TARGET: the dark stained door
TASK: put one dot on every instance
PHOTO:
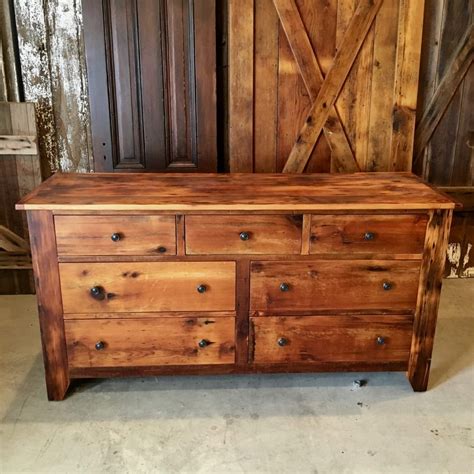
(152, 84)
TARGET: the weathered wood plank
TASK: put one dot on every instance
(18, 145)
(241, 85)
(353, 39)
(436, 242)
(266, 87)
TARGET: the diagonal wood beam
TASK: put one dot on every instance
(353, 38)
(310, 70)
(463, 58)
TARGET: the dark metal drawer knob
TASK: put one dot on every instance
(161, 249)
(99, 345)
(97, 292)
(244, 236)
(284, 287)
(387, 285)
(282, 341)
(380, 340)
(203, 343)
(202, 288)
(369, 236)
(115, 237)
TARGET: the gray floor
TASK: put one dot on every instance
(298, 423)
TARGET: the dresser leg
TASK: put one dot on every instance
(50, 310)
(431, 275)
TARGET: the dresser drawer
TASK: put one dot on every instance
(147, 286)
(241, 234)
(334, 285)
(160, 341)
(115, 235)
(332, 339)
(358, 234)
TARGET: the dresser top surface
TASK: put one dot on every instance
(239, 191)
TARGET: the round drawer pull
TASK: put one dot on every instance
(380, 340)
(115, 237)
(202, 288)
(99, 345)
(203, 343)
(244, 236)
(282, 341)
(369, 236)
(284, 287)
(97, 292)
(387, 286)
(161, 249)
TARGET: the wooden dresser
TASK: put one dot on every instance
(145, 274)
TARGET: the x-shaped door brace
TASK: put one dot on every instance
(324, 92)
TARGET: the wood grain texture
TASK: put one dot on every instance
(221, 235)
(138, 235)
(18, 145)
(266, 62)
(148, 286)
(428, 298)
(158, 341)
(50, 309)
(334, 285)
(406, 84)
(241, 85)
(327, 96)
(241, 192)
(332, 338)
(389, 234)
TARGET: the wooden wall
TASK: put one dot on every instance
(444, 145)
(323, 85)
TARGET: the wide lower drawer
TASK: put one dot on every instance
(240, 234)
(147, 286)
(115, 235)
(331, 339)
(368, 234)
(157, 341)
(334, 285)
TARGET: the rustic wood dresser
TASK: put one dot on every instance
(141, 274)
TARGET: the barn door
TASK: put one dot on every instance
(151, 70)
(323, 85)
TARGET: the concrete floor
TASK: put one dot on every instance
(298, 423)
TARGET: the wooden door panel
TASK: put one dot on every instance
(152, 88)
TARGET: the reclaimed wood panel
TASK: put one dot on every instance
(155, 341)
(115, 235)
(19, 175)
(241, 234)
(334, 285)
(309, 339)
(363, 121)
(444, 144)
(147, 286)
(238, 192)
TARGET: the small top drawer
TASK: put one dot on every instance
(240, 234)
(358, 234)
(115, 235)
